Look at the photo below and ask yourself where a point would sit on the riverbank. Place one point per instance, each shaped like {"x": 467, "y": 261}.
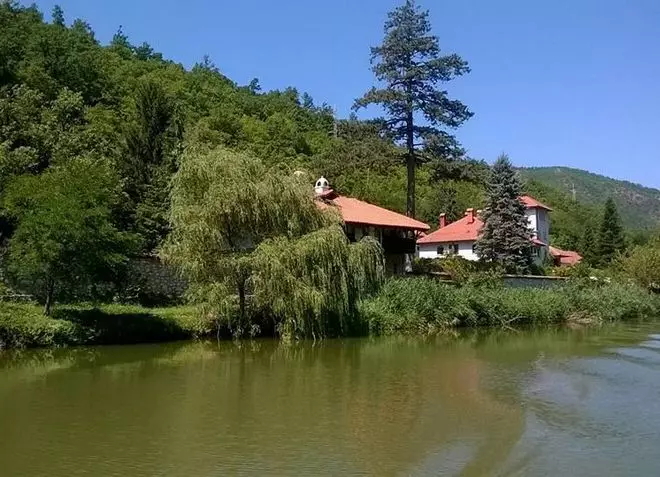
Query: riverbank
{"x": 25, "y": 326}
{"x": 426, "y": 306}
{"x": 408, "y": 306}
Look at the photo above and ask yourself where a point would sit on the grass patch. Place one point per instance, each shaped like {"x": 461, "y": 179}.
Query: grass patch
{"x": 25, "y": 326}
{"x": 424, "y": 305}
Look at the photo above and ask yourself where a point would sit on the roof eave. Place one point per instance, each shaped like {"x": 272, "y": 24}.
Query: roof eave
{"x": 422, "y": 227}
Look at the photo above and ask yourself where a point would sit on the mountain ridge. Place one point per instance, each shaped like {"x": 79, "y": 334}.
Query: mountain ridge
{"x": 639, "y": 205}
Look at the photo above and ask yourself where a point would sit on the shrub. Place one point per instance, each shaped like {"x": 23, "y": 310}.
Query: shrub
{"x": 458, "y": 268}
{"x": 642, "y": 265}
{"x": 25, "y": 326}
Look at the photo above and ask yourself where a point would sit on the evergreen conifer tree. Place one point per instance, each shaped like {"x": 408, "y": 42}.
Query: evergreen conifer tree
{"x": 410, "y": 66}
{"x": 58, "y": 16}
{"x": 505, "y": 238}
{"x": 611, "y": 240}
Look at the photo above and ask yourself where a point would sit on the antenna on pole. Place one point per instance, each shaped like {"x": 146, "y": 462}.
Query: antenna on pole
{"x": 574, "y": 192}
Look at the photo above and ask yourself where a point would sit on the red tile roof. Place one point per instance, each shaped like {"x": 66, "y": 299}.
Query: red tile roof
{"x": 465, "y": 230}
{"x": 566, "y": 257}
{"x": 460, "y": 231}
{"x": 355, "y": 211}
{"x": 531, "y": 203}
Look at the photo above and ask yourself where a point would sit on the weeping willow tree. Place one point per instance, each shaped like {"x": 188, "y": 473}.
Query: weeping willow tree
{"x": 312, "y": 284}
{"x": 238, "y": 227}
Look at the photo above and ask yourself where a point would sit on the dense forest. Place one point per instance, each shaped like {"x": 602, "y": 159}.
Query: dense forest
{"x": 104, "y": 127}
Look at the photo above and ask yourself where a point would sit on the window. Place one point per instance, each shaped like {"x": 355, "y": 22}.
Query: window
{"x": 441, "y": 250}
{"x": 536, "y": 251}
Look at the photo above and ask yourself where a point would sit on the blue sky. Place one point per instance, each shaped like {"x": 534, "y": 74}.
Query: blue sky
{"x": 562, "y": 82}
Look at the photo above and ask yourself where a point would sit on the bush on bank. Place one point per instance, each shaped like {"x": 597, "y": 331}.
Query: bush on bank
{"x": 423, "y": 305}
{"x": 25, "y": 326}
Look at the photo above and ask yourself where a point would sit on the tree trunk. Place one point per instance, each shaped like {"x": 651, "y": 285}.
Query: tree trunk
{"x": 241, "y": 305}
{"x": 410, "y": 163}
{"x": 50, "y": 290}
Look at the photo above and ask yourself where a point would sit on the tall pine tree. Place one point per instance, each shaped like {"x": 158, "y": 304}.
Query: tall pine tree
{"x": 409, "y": 65}
{"x": 505, "y": 238}
{"x": 58, "y": 16}
{"x": 611, "y": 240}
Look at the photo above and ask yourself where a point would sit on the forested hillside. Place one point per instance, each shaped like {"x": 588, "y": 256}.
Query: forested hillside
{"x": 119, "y": 116}
{"x": 639, "y": 206}
{"x": 63, "y": 95}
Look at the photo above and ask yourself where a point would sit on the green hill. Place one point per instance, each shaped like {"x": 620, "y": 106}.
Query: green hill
{"x": 639, "y": 206}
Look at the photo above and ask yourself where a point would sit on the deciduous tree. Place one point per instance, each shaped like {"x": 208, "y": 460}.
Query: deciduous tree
{"x": 65, "y": 235}
{"x": 643, "y": 265}
{"x": 238, "y": 226}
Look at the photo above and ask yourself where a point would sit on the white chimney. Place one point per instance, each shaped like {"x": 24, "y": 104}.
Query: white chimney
{"x": 322, "y": 186}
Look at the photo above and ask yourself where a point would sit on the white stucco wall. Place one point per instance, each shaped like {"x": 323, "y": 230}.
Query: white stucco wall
{"x": 539, "y": 223}
{"x": 543, "y": 225}
{"x": 531, "y": 218}
{"x": 431, "y": 250}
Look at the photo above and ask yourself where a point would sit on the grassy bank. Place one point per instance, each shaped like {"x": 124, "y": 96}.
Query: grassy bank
{"x": 24, "y": 325}
{"x": 413, "y": 306}
{"x": 424, "y": 305}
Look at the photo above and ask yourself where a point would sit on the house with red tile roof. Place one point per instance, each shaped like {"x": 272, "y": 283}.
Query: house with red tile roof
{"x": 565, "y": 258}
{"x": 395, "y": 232}
{"x": 459, "y": 238}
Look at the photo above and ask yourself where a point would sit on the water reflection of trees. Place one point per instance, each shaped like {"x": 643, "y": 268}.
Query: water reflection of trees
{"x": 377, "y": 407}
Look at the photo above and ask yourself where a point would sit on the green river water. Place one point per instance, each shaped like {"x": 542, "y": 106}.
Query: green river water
{"x": 530, "y": 403}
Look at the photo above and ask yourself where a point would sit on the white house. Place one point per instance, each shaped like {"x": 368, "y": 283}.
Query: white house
{"x": 459, "y": 238}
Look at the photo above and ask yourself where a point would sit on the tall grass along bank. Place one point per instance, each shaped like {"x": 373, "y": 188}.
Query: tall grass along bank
{"x": 415, "y": 305}
{"x": 423, "y": 305}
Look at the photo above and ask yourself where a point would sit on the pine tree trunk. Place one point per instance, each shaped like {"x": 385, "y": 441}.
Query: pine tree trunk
{"x": 410, "y": 163}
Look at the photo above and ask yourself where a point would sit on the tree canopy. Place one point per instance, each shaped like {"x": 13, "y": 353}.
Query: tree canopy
{"x": 239, "y": 226}
{"x": 65, "y": 98}
{"x": 65, "y": 235}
